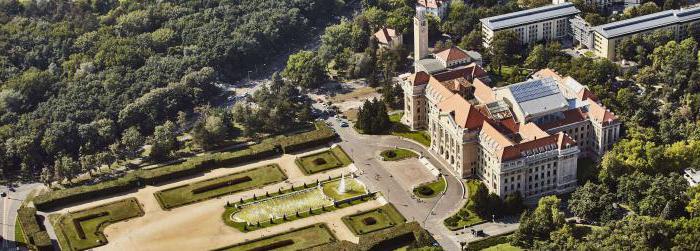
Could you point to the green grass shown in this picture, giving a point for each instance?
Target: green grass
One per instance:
(401, 130)
(323, 161)
(300, 239)
(431, 189)
(397, 154)
(187, 194)
(99, 218)
(471, 218)
(503, 247)
(374, 220)
(19, 237)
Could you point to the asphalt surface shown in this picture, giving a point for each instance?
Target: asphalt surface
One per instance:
(8, 211)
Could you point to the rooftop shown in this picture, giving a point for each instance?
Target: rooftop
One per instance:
(530, 16)
(537, 96)
(647, 22)
(452, 54)
(385, 35)
(692, 176)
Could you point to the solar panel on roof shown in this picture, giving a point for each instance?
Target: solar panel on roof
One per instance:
(533, 89)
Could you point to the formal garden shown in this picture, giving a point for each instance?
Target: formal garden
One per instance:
(397, 154)
(294, 203)
(215, 187)
(324, 161)
(298, 239)
(374, 220)
(82, 230)
(431, 189)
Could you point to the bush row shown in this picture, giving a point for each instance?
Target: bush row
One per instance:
(267, 148)
(489, 242)
(31, 229)
(375, 240)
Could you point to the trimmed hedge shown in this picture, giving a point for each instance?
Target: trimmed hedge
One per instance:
(196, 165)
(371, 241)
(489, 242)
(31, 229)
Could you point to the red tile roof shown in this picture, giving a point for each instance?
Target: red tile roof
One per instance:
(600, 114)
(452, 54)
(483, 92)
(570, 117)
(470, 72)
(465, 115)
(385, 35)
(419, 78)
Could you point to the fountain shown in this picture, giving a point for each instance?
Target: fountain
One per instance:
(341, 186)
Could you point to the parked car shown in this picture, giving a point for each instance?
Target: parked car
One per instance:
(344, 124)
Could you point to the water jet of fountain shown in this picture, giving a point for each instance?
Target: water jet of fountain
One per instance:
(341, 186)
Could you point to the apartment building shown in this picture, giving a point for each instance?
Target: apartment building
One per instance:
(525, 137)
(603, 39)
(549, 22)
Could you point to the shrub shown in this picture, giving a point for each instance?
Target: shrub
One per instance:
(425, 191)
(369, 221)
(32, 230)
(390, 154)
(319, 161)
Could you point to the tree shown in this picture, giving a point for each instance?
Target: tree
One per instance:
(373, 118)
(132, 141)
(593, 202)
(164, 141)
(528, 4)
(686, 237)
(480, 200)
(68, 167)
(694, 205)
(210, 130)
(305, 70)
(538, 224)
(513, 203)
(472, 41)
(46, 176)
(504, 45)
(633, 232)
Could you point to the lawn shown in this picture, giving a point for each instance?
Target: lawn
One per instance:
(465, 217)
(397, 154)
(401, 130)
(19, 237)
(431, 189)
(83, 229)
(300, 239)
(377, 219)
(323, 161)
(503, 247)
(219, 186)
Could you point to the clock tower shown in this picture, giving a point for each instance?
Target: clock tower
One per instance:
(420, 33)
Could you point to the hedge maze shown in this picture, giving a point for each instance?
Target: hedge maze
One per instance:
(83, 229)
(219, 186)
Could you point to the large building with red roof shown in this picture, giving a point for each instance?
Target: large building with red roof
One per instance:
(525, 137)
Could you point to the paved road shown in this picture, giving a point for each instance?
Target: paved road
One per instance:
(429, 213)
(8, 212)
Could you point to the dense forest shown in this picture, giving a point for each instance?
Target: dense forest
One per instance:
(83, 82)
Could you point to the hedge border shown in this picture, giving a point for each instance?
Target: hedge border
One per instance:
(138, 179)
(31, 229)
